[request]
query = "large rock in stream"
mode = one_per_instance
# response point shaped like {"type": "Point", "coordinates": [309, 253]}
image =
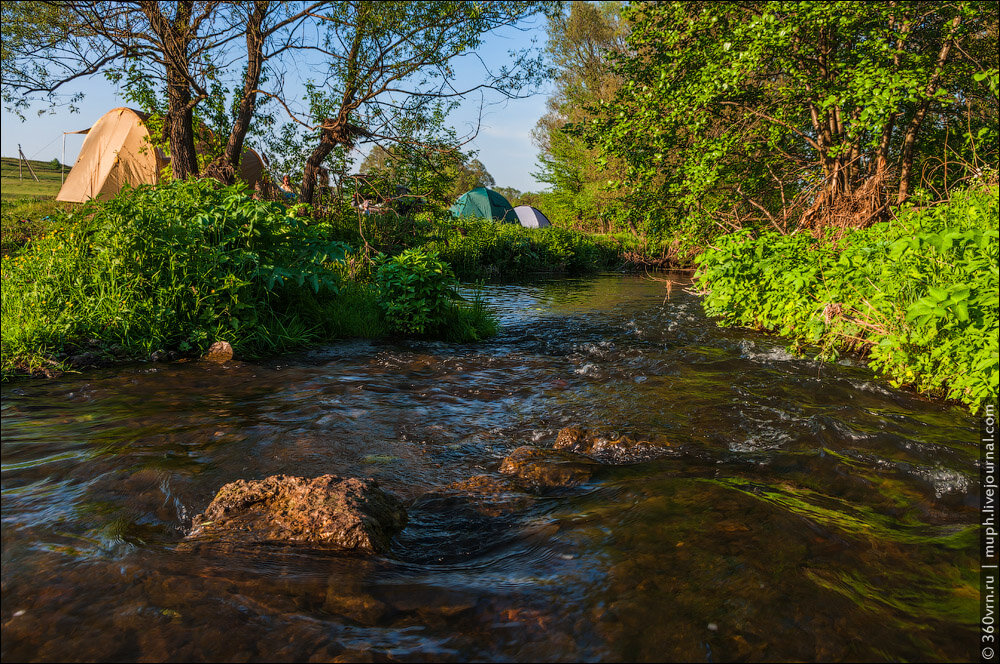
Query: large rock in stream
{"type": "Point", "coordinates": [345, 513]}
{"type": "Point", "coordinates": [614, 451]}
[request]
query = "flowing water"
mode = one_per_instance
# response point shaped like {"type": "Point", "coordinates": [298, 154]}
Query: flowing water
{"type": "Point", "coordinates": [807, 511]}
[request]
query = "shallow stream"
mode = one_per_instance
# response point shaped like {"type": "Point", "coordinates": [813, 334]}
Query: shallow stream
{"type": "Point", "coordinates": [807, 511]}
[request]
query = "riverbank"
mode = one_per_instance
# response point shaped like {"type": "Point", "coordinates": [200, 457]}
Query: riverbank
{"type": "Point", "coordinates": [163, 273]}
{"type": "Point", "coordinates": [168, 271]}
{"type": "Point", "coordinates": [918, 295]}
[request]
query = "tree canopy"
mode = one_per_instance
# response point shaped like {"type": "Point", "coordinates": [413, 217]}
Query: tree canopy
{"type": "Point", "coordinates": [380, 70]}
{"type": "Point", "coordinates": [796, 113]}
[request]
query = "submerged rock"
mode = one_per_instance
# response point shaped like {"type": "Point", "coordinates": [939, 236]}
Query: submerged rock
{"type": "Point", "coordinates": [611, 450]}
{"type": "Point", "coordinates": [351, 602]}
{"type": "Point", "coordinates": [484, 485]}
{"type": "Point", "coordinates": [347, 513]}
{"type": "Point", "coordinates": [491, 496]}
{"type": "Point", "coordinates": [545, 468]}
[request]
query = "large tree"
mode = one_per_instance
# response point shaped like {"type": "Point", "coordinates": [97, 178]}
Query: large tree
{"type": "Point", "coordinates": [175, 43]}
{"type": "Point", "coordinates": [433, 169]}
{"type": "Point", "coordinates": [386, 67]}
{"type": "Point", "coordinates": [581, 39]}
{"type": "Point", "coordinates": [381, 67]}
{"type": "Point", "coordinates": [795, 113]}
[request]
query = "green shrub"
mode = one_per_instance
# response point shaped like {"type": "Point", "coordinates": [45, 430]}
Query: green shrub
{"type": "Point", "coordinates": [477, 248]}
{"type": "Point", "coordinates": [418, 294]}
{"type": "Point", "coordinates": [416, 290]}
{"type": "Point", "coordinates": [174, 267]}
{"type": "Point", "coordinates": [919, 294]}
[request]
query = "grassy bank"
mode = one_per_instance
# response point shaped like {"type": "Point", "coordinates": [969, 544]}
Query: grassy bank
{"type": "Point", "coordinates": [27, 207]}
{"type": "Point", "coordinates": [918, 294]}
{"type": "Point", "coordinates": [22, 219]}
{"type": "Point", "coordinates": [480, 249]}
{"type": "Point", "coordinates": [21, 185]}
{"type": "Point", "coordinates": [175, 268]}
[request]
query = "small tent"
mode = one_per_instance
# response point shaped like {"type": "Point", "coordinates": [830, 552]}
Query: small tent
{"type": "Point", "coordinates": [116, 152]}
{"type": "Point", "coordinates": [486, 204]}
{"type": "Point", "coordinates": [531, 217]}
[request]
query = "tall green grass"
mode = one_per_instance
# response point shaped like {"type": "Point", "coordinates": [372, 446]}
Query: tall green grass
{"type": "Point", "coordinates": [479, 249]}
{"type": "Point", "coordinates": [23, 219]}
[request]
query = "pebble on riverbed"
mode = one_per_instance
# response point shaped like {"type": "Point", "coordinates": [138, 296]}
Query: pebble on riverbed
{"type": "Point", "coordinates": [346, 513]}
{"type": "Point", "coordinates": [615, 451]}
{"type": "Point", "coordinates": [545, 468]}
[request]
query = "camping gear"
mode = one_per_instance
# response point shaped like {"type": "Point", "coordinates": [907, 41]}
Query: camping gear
{"type": "Point", "coordinates": [531, 217]}
{"type": "Point", "coordinates": [485, 204]}
{"type": "Point", "coordinates": [116, 152]}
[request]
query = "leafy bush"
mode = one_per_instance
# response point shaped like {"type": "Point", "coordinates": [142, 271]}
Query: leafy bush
{"type": "Point", "coordinates": [418, 293]}
{"type": "Point", "coordinates": [174, 267]}
{"type": "Point", "coordinates": [416, 289]}
{"type": "Point", "coordinates": [919, 294]}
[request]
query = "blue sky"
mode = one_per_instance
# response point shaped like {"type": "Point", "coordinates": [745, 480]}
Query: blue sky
{"type": "Point", "coordinates": [504, 140]}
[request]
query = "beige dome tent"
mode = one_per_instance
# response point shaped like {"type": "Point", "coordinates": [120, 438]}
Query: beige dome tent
{"type": "Point", "coordinates": [116, 153]}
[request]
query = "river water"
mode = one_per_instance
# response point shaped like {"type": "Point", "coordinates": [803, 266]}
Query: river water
{"type": "Point", "coordinates": [808, 511]}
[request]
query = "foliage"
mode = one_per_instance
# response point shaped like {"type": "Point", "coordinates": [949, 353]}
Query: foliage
{"type": "Point", "coordinates": [28, 28]}
{"type": "Point", "coordinates": [388, 67]}
{"type": "Point", "coordinates": [484, 249]}
{"type": "Point", "coordinates": [177, 268]}
{"type": "Point", "coordinates": [786, 113]}
{"type": "Point", "coordinates": [920, 294]}
{"type": "Point", "coordinates": [430, 165]}
{"type": "Point", "coordinates": [581, 39]}
{"type": "Point", "coordinates": [419, 294]}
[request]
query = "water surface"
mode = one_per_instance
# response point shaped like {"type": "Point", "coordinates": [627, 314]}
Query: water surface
{"type": "Point", "coordinates": [808, 511]}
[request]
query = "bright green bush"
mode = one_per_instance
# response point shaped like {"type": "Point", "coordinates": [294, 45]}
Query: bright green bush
{"type": "Point", "coordinates": [416, 289]}
{"type": "Point", "coordinates": [481, 249]}
{"type": "Point", "coordinates": [919, 294]}
{"type": "Point", "coordinates": [418, 293]}
{"type": "Point", "coordinates": [174, 267]}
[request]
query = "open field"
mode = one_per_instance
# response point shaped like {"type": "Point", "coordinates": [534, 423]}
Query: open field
{"type": "Point", "coordinates": [25, 186]}
{"type": "Point", "coordinates": [26, 203]}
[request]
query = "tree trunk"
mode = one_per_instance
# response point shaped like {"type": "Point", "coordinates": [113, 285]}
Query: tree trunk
{"type": "Point", "coordinates": [233, 151]}
{"type": "Point", "coordinates": [326, 144]}
{"type": "Point", "coordinates": [339, 130]}
{"type": "Point", "coordinates": [180, 121]}
{"type": "Point", "coordinates": [175, 37]}
{"type": "Point", "coordinates": [882, 160]}
{"type": "Point", "coordinates": [910, 139]}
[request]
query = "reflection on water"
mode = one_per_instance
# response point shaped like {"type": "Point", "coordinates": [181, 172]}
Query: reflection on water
{"type": "Point", "coordinates": [809, 511]}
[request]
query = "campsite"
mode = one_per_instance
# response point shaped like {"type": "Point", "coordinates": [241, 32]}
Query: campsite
{"type": "Point", "coordinates": [435, 331]}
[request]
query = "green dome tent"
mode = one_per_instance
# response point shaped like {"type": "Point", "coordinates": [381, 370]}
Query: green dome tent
{"type": "Point", "coordinates": [486, 204]}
